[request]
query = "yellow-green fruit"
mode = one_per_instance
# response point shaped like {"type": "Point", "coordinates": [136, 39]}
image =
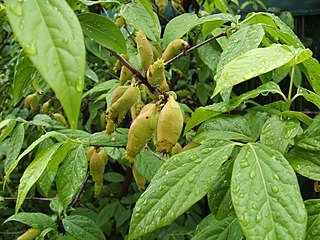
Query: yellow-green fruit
{"type": "Point", "coordinates": [90, 152]}
{"type": "Point", "coordinates": [176, 149]}
{"type": "Point", "coordinates": [174, 48]}
{"type": "Point", "coordinates": [169, 126]}
{"type": "Point", "coordinates": [144, 50]}
{"type": "Point", "coordinates": [156, 52]}
{"type": "Point", "coordinates": [45, 106]}
{"type": "Point", "coordinates": [141, 130]}
{"type": "Point", "coordinates": [110, 127]}
{"type": "Point", "coordinates": [30, 234]}
{"type": "Point", "coordinates": [178, 7]}
{"type": "Point", "coordinates": [96, 167]}
{"type": "Point", "coordinates": [117, 66]}
{"type": "Point", "coordinates": [102, 120]}
{"type": "Point", "coordinates": [103, 154]}
{"type": "Point", "coordinates": [136, 109]}
{"type": "Point", "coordinates": [189, 146]}
{"type": "Point", "coordinates": [121, 116]}
{"type": "Point", "coordinates": [164, 87]}
{"type": "Point", "coordinates": [97, 187]}
{"type": "Point", "coordinates": [119, 22]}
{"type": "Point", "coordinates": [155, 73]}
{"type": "Point", "coordinates": [32, 101]}
{"type": "Point", "coordinates": [125, 75]}
{"type": "Point", "coordinates": [140, 180]}
{"type": "Point", "coordinates": [117, 93]}
{"type": "Point", "coordinates": [60, 118]}
{"type": "Point", "coordinates": [161, 4]}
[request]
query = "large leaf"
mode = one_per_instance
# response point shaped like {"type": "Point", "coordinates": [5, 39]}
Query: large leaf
{"type": "Point", "coordinates": [180, 182]}
{"type": "Point", "coordinates": [309, 96]}
{"type": "Point", "coordinates": [116, 139]}
{"type": "Point", "coordinates": [214, 21]}
{"type": "Point", "coordinates": [36, 220]}
{"type": "Point", "coordinates": [71, 174]}
{"type": "Point", "coordinates": [103, 31]}
{"type": "Point", "coordinates": [51, 36]}
{"type": "Point", "coordinates": [251, 64]}
{"type": "Point", "coordinates": [4, 133]}
{"type": "Point", "coordinates": [81, 227]}
{"type": "Point", "coordinates": [33, 172]}
{"type": "Point", "coordinates": [212, 229]}
{"type": "Point", "coordinates": [137, 16]}
{"type": "Point", "coordinates": [277, 132]}
{"type": "Point", "coordinates": [313, 229]}
{"type": "Point", "coordinates": [311, 68]}
{"type": "Point", "coordinates": [309, 140]}
{"type": "Point", "coordinates": [266, 196]}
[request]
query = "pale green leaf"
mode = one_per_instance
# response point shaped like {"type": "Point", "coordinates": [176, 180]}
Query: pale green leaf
{"type": "Point", "coordinates": [102, 87]}
{"type": "Point", "coordinates": [309, 96]}
{"type": "Point", "coordinates": [81, 227]}
{"type": "Point", "coordinates": [298, 115]}
{"type": "Point", "coordinates": [33, 172]}
{"type": "Point", "coordinates": [11, 124]}
{"type": "Point", "coordinates": [266, 195]}
{"type": "Point", "coordinates": [214, 21]}
{"type": "Point", "coordinates": [313, 228]}
{"type": "Point", "coordinates": [103, 30]}
{"type": "Point", "coordinates": [116, 139]}
{"type": "Point", "coordinates": [36, 220]}
{"type": "Point", "coordinates": [311, 69]}
{"type": "Point", "coordinates": [71, 174]}
{"type": "Point", "coordinates": [180, 182]}
{"type": "Point", "coordinates": [51, 36]}
{"type": "Point", "coordinates": [59, 156]}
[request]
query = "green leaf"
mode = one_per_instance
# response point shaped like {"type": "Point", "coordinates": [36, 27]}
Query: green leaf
{"type": "Point", "coordinates": [204, 113]}
{"type": "Point", "coordinates": [90, 3]}
{"type": "Point", "coordinates": [121, 215]}
{"type": "Point", "coordinates": [51, 36]}
{"type": "Point", "coordinates": [116, 139]}
{"type": "Point", "coordinates": [298, 115]}
{"type": "Point", "coordinates": [313, 228]}
{"type": "Point", "coordinates": [107, 213]}
{"type": "Point", "coordinates": [101, 87]}
{"type": "Point", "coordinates": [103, 30]}
{"type": "Point", "coordinates": [179, 26]}
{"type": "Point", "coordinates": [22, 76]}
{"type": "Point", "coordinates": [309, 96]}
{"type": "Point", "coordinates": [180, 182]}
{"type": "Point", "coordinates": [137, 16]}
{"type": "Point", "coordinates": [147, 164]}
{"type": "Point", "coordinates": [251, 64]}
{"type": "Point", "coordinates": [309, 140]}
{"type": "Point", "coordinates": [305, 162]}
{"type": "Point", "coordinates": [266, 195]}
{"type": "Point", "coordinates": [11, 124]}
{"type": "Point", "coordinates": [311, 68]}
{"type": "Point", "coordinates": [59, 156]}
{"type": "Point", "coordinates": [97, 49]}
{"type": "Point", "coordinates": [71, 174]}
{"type": "Point", "coordinates": [33, 172]}
{"type": "Point", "coordinates": [214, 21]}
{"type": "Point", "coordinates": [212, 229]}
{"type": "Point", "coordinates": [114, 177]}
{"type": "Point", "coordinates": [277, 133]}
{"type": "Point", "coordinates": [36, 220]}
{"type": "Point", "coordinates": [82, 227]}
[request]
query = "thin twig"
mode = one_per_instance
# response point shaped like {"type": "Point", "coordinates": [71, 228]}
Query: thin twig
{"type": "Point", "coordinates": [186, 51]}
{"type": "Point", "coordinates": [77, 198]}
{"type": "Point", "coordinates": [46, 95]}
{"type": "Point", "coordinates": [126, 184]}
{"type": "Point", "coordinates": [155, 154]}
{"type": "Point", "coordinates": [27, 198]}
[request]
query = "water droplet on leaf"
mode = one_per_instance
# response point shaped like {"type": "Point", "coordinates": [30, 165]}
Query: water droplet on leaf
{"type": "Point", "coordinates": [16, 9]}
{"type": "Point", "coordinates": [31, 49]}
{"type": "Point", "coordinates": [275, 189]}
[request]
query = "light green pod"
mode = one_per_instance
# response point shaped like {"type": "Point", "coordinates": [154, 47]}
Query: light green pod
{"type": "Point", "coordinates": [174, 48]}
{"type": "Point", "coordinates": [125, 75]}
{"type": "Point", "coordinates": [140, 180]}
{"type": "Point", "coordinates": [30, 234]}
{"type": "Point", "coordinates": [155, 73]}
{"type": "Point", "coordinates": [144, 50]}
{"type": "Point", "coordinates": [60, 118]}
{"type": "Point", "coordinates": [96, 167]}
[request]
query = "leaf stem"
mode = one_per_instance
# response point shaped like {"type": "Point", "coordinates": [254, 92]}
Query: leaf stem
{"type": "Point", "coordinates": [289, 99]}
{"type": "Point", "coordinates": [77, 198]}
{"type": "Point", "coordinates": [27, 198]}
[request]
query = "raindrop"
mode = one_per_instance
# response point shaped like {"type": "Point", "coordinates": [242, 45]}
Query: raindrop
{"type": "Point", "coordinates": [275, 189]}
{"type": "Point", "coordinates": [241, 196]}
{"type": "Point", "coordinates": [236, 202]}
{"type": "Point", "coordinates": [254, 206]}
{"type": "Point", "coordinates": [138, 209]}
{"type": "Point", "coordinates": [236, 189]}
{"type": "Point", "coordinates": [191, 178]}
{"type": "Point", "coordinates": [31, 49]}
{"type": "Point", "coordinates": [193, 157]}
{"type": "Point", "coordinates": [65, 40]}
{"type": "Point", "coordinates": [206, 150]}
{"type": "Point", "coordinates": [252, 173]}
{"type": "Point", "coordinates": [244, 163]}
{"type": "Point", "coordinates": [258, 218]}
{"type": "Point", "coordinates": [197, 192]}
{"type": "Point", "coordinates": [314, 232]}
{"type": "Point", "coordinates": [276, 176]}
{"type": "Point", "coordinates": [79, 85]}
{"type": "Point", "coordinates": [16, 9]}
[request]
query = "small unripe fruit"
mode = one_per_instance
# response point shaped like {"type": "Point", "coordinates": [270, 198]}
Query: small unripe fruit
{"type": "Point", "coordinates": [125, 75]}
{"type": "Point", "coordinates": [119, 22]}
{"type": "Point", "coordinates": [174, 48]}
{"type": "Point", "coordinates": [140, 180]}
{"type": "Point", "coordinates": [164, 87]}
{"type": "Point", "coordinates": [176, 149]}
{"type": "Point", "coordinates": [60, 118]}
{"type": "Point", "coordinates": [178, 7]}
{"type": "Point", "coordinates": [97, 187]}
{"type": "Point", "coordinates": [90, 152]}
{"type": "Point", "coordinates": [32, 101]}
{"type": "Point", "coordinates": [136, 109]}
{"type": "Point", "coordinates": [96, 167]}
{"type": "Point", "coordinates": [155, 73]}
{"type": "Point", "coordinates": [103, 154]}
{"type": "Point", "coordinates": [30, 234]}
{"type": "Point", "coordinates": [110, 127]}
{"type": "Point", "coordinates": [144, 50]}
{"type": "Point", "coordinates": [45, 106]}
{"type": "Point", "coordinates": [161, 4]}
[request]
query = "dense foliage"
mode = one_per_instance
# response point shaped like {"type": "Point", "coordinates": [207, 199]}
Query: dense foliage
{"type": "Point", "coordinates": [153, 120]}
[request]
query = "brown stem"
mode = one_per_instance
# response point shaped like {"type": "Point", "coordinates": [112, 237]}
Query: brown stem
{"type": "Point", "coordinates": [187, 50]}
{"type": "Point", "coordinates": [126, 184]}
{"type": "Point", "coordinates": [77, 198]}
{"type": "Point", "coordinates": [155, 154]}
{"type": "Point", "coordinates": [46, 95]}
{"type": "Point", "coordinates": [27, 198]}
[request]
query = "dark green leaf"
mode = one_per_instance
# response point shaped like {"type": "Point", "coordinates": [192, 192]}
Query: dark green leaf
{"type": "Point", "coordinates": [4, 133]}
{"type": "Point", "coordinates": [313, 228]}
{"type": "Point", "coordinates": [121, 215]}
{"type": "Point", "coordinates": [298, 115]}
{"type": "Point", "coordinates": [37, 220]}
{"type": "Point", "coordinates": [113, 177]}
{"type": "Point", "coordinates": [310, 139]}
{"type": "Point", "coordinates": [116, 139]}
{"type": "Point", "coordinates": [266, 196]}
{"type": "Point", "coordinates": [180, 182]}
{"type": "Point", "coordinates": [103, 30]}
{"type": "Point", "coordinates": [101, 87]}
{"type": "Point", "coordinates": [51, 36]}
{"type": "Point", "coordinates": [106, 213]}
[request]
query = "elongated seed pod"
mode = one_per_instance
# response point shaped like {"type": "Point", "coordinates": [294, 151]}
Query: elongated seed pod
{"type": "Point", "coordinates": [176, 149]}
{"type": "Point", "coordinates": [169, 126]}
{"type": "Point", "coordinates": [45, 106]}
{"type": "Point", "coordinates": [32, 101]}
{"type": "Point", "coordinates": [136, 109]}
{"type": "Point", "coordinates": [144, 50]}
{"type": "Point", "coordinates": [161, 4]}
{"type": "Point", "coordinates": [110, 127]}
{"type": "Point", "coordinates": [90, 152]}
{"type": "Point", "coordinates": [30, 234]}
{"type": "Point", "coordinates": [178, 7]}
{"type": "Point", "coordinates": [189, 146]}
{"type": "Point", "coordinates": [140, 180]}
{"type": "Point", "coordinates": [164, 87]}
{"type": "Point", "coordinates": [60, 118]}
{"type": "Point", "coordinates": [174, 48]}
{"type": "Point", "coordinates": [117, 93]}
{"type": "Point", "coordinates": [119, 22]}
{"type": "Point", "coordinates": [141, 130]}
{"type": "Point", "coordinates": [97, 187]}
{"type": "Point", "coordinates": [103, 154]}
{"type": "Point", "coordinates": [156, 52]}
{"type": "Point", "coordinates": [125, 75]}
{"type": "Point", "coordinates": [155, 73]}
{"type": "Point", "coordinates": [96, 167]}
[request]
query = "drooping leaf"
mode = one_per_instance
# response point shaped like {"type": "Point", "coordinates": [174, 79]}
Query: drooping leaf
{"type": "Point", "coordinates": [309, 96]}
{"type": "Point", "coordinates": [33, 172]}
{"type": "Point", "coordinates": [313, 228]}
{"type": "Point", "coordinates": [265, 194]}
{"type": "Point", "coordinates": [51, 36]}
{"type": "Point", "coordinates": [180, 182]}
{"type": "Point", "coordinates": [277, 133]}
{"type": "Point", "coordinates": [214, 21]}
{"type": "Point", "coordinates": [81, 227]}
{"type": "Point", "coordinates": [71, 174]}
{"type": "Point", "coordinates": [311, 68]}
{"type": "Point", "coordinates": [310, 138]}
{"type": "Point", "coordinates": [59, 156]}
{"type": "Point", "coordinates": [37, 220]}
{"type": "Point", "coordinates": [103, 30]}
{"type": "Point", "coordinates": [211, 229]}
{"type": "Point", "coordinates": [11, 123]}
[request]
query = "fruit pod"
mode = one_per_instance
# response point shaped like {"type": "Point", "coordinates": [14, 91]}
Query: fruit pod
{"type": "Point", "coordinates": [169, 126]}
{"type": "Point", "coordinates": [103, 155]}
{"type": "Point", "coordinates": [90, 152]}
{"type": "Point", "coordinates": [125, 102]}
{"type": "Point", "coordinates": [97, 187]}
{"type": "Point", "coordinates": [30, 234]}
{"type": "Point", "coordinates": [164, 87]}
{"type": "Point", "coordinates": [174, 48]}
{"type": "Point", "coordinates": [119, 22]}
{"type": "Point", "coordinates": [155, 73]}
{"type": "Point", "coordinates": [140, 180]}
{"type": "Point", "coordinates": [60, 118]}
{"type": "Point", "coordinates": [136, 109]}
{"type": "Point", "coordinates": [32, 101]}
{"type": "Point", "coordinates": [144, 50]}
{"type": "Point", "coordinates": [45, 107]}
{"type": "Point", "coordinates": [96, 167]}
{"type": "Point", "coordinates": [110, 127]}
{"type": "Point", "coordinates": [102, 120]}
{"type": "Point", "coordinates": [176, 149]}
{"type": "Point", "coordinates": [157, 52]}
{"type": "Point", "coordinates": [125, 75]}
{"type": "Point", "coordinates": [141, 130]}
{"type": "Point", "coordinates": [189, 146]}
{"type": "Point", "coordinates": [161, 4]}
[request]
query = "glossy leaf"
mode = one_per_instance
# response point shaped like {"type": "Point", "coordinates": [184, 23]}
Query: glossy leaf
{"type": "Point", "coordinates": [298, 115]}
{"type": "Point", "coordinates": [305, 162]}
{"type": "Point", "coordinates": [313, 228]}
{"type": "Point", "coordinates": [59, 156]}
{"type": "Point", "coordinates": [103, 30]}
{"type": "Point", "coordinates": [116, 139]}
{"type": "Point", "coordinates": [36, 220]}
{"type": "Point", "coordinates": [82, 227]}
{"type": "Point", "coordinates": [51, 36]}
{"type": "Point", "coordinates": [310, 139]}
{"type": "Point", "coordinates": [251, 64]}
{"type": "Point", "coordinates": [265, 194]}
{"type": "Point", "coordinates": [311, 68]}
{"type": "Point", "coordinates": [137, 16]}
{"type": "Point", "coordinates": [71, 174]}
{"type": "Point", "coordinates": [277, 133]}
{"type": "Point", "coordinates": [309, 96]}
{"type": "Point", "coordinates": [212, 229]}
{"type": "Point", "coordinates": [10, 126]}
{"type": "Point", "coordinates": [33, 172]}
{"type": "Point", "coordinates": [179, 26]}
{"type": "Point", "coordinates": [214, 21]}
{"type": "Point", "coordinates": [180, 182]}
